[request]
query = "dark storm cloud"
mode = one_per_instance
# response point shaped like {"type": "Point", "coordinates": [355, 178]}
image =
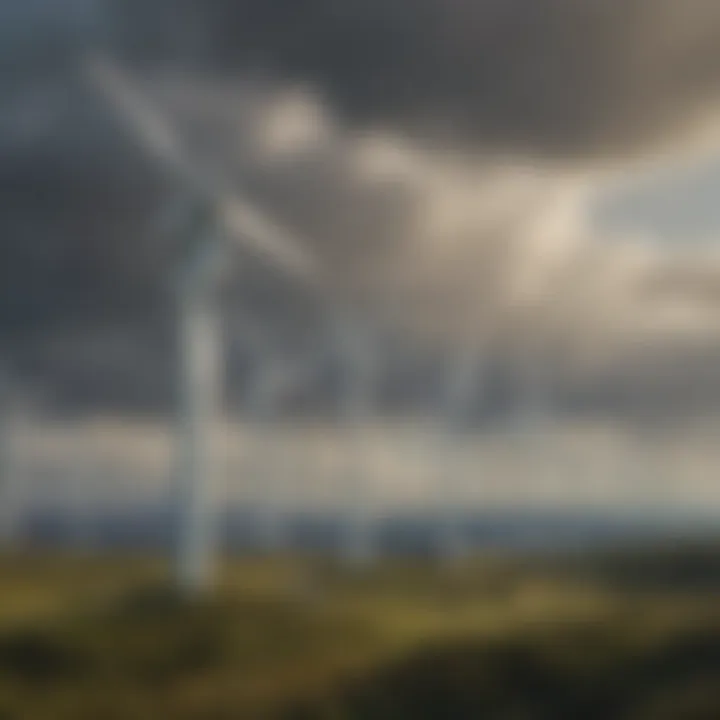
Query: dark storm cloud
{"type": "Point", "coordinates": [540, 76]}
{"type": "Point", "coordinates": [76, 221]}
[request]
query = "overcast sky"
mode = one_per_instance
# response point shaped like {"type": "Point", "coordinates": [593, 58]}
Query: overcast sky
{"type": "Point", "coordinates": [671, 206]}
{"type": "Point", "coordinates": [447, 156]}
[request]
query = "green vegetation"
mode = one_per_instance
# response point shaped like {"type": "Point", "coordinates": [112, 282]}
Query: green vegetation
{"type": "Point", "coordinates": [622, 636]}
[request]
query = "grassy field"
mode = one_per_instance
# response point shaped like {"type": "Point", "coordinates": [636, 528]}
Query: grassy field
{"type": "Point", "coordinates": [626, 635]}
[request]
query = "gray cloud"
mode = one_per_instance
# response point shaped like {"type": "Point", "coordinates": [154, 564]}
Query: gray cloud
{"type": "Point", "coordinates": [548, 77]}
{"type": "Point", "coordinates": [381, 130]}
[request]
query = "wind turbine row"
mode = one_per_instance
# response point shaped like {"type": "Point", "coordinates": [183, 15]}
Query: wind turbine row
{"type": "Point", "coordinates": [210, 219]}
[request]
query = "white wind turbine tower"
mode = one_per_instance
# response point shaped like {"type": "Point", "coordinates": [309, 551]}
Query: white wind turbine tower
{"type": "Point", "coordinates": [7, 470]}
{"type": "Point", "coordinates": [213, 216]}
{"type": "Point", "coordinates": [542, 260]}
{"type": "Point", "coordinates": [359, 355]}
{"type": "Point", "coordinates": [18, 404]}
{"type": "Point", "coordinates": [602, 299]}
{"type": "Point", "coordinates": [9, 477]}
{"type": "Point", "coordinates": [459, 395]}
{"type": "Point", "coordinates": [268, 462]}
{"type": "Point", "coordinates": [273, 373]}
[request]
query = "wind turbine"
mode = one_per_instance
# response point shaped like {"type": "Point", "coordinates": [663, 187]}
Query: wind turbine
{"type": "Point", "coordinates": [358, 353]}
{"type": "Point", "coordinates": [210, 218]}
{"type": "Point", "coordinates": [459, 395]}
{"type": "Point", "coordinates": [601, 297]}
{"type": "Point", "coordinates": [18, 404]}
{"type": "Point", "coordinates": [8, 466]}
{"type": "Point", "coordinates": [273, 373]}
{"type": "Point", "coordinates": [542, 262]}
{"type": "Point", "coordinates": [269, 381]}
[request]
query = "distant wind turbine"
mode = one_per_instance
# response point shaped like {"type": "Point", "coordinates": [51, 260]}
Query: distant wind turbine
{"type": "Point", "coordinates": [360, 367]}
{"type": "Point", "coordinates": [542, 263]}
{"type": "Point", "coordinates": [272, 375]}
{"type": "Point", "coordinates": [9, 482]}
{"type": "Point", "coordinates": [459, 395]}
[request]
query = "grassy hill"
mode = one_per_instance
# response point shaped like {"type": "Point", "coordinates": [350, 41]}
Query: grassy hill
{"type": "Point", "coordinates": [626, 635]}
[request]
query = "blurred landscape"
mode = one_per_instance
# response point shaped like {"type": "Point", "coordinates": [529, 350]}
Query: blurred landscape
{"type": "Point", "coordinates": [620, 634]}
{"type": "Point", "coordinates": [359, 359]}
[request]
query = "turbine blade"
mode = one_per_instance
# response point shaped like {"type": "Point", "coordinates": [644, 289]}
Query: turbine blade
{"type": "Point", "coordinates": [255, 229]}
{"type": "Point", "coordinates": [156, 135]}
{"type": "Point", "coordinates": [241, 218]}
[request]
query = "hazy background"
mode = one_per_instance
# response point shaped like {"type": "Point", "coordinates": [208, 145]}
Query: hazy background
{"type": "Point", "coordinates": [536, 180]}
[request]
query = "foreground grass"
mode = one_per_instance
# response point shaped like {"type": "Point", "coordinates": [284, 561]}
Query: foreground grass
{"type": "Point", "coordinates": [92, 638]}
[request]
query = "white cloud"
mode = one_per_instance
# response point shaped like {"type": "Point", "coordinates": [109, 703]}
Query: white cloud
{"type": "Point", "coordinates": [438, 241]}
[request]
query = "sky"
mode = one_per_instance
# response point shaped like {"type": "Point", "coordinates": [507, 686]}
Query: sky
{"type": "Point", "coordinates": [671, 207]}
{"type": "Point", "coordinates": [468, 171]}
